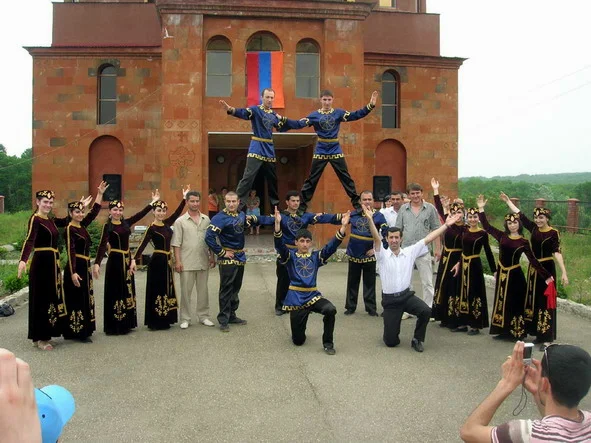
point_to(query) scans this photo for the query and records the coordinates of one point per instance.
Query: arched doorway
(391, 161)
(106, 162)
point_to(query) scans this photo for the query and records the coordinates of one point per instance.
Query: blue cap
(55, 406)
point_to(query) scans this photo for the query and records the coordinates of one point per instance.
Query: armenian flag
(264, 70)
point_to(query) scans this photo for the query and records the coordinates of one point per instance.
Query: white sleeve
(418, 249)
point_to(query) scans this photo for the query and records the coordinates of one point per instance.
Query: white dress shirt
(390, 215)
(396, 270)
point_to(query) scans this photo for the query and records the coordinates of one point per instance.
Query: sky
(524, 95)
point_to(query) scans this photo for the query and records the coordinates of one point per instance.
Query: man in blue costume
(303, 296)
(261, 152)
(327, 122)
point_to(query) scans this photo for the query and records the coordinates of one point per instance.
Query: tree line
(15, 180)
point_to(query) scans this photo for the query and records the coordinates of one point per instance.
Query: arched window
(307, 69)
(107, 95)
(263, 41)
(264, 68)
(219, 68)
(390, 100)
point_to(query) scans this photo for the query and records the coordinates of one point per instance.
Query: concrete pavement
(252, 384)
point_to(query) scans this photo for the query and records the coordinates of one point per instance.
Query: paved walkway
(252, 384)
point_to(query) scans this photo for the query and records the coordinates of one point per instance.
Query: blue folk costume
(290, 225)
(303, 296)
(328, 150)
(226, 233)
(360, 243)
(261, 152)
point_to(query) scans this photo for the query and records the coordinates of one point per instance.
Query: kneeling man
(302, 266)
(396, 266)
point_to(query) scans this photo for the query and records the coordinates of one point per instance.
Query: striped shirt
(551, 428)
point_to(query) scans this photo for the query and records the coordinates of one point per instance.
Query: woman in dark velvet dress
(47, 310)
(508, 316)
(120, 312)
(472, 304)
(447, 283)
(545, 243)
(161, 300)
(78, 292)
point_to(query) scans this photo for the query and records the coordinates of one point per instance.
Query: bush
(12, 283)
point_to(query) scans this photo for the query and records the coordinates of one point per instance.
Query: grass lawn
(575, 249)
(13, 227)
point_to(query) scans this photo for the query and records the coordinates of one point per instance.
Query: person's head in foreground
(558, 382)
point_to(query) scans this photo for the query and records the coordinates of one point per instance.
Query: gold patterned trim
(452, 250)
(304, 306)
(327, 157)
(328, 140)
(259, 139)
(503, 268)
(85, 257)
(160, 251)
(262, 158)
(470, 257)
(361, 260)
(224, 262)
(545, 259)
(302, 289)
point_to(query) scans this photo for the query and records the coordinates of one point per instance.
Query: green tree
(15, 180)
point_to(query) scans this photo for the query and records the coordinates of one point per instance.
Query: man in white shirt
(396, 267)
(391, 212)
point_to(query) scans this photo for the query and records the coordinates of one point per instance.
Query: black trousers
(230, 284)
(250, 172)
(394, 307)
(282, 285)
(299, 320)
(369, 285)
(339, 165)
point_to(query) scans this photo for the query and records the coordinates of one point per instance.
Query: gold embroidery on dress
(119, 309)
(544, 321)
(476, 307)
(517, 326)
(52, 314)
(76, 319)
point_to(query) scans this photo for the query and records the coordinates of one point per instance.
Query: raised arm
(526, 222)
(138, 216)
(242, 113)
(363, 112)
(441, 229)
(377, 239)
(496, 233)
(280, 247)
(331, 247)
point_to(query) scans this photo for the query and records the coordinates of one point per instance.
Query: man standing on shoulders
(416, 219)
(396, 274)
(225, 237)
(327, 123)
(558, 383)
(192, 259)
(360, 253)
(261, 152)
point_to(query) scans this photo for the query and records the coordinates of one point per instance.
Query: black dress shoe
(349, 312)
(460, 329)
(279, 312)
(373, 314)
(237, 321)
(329, 349)
(417, 345)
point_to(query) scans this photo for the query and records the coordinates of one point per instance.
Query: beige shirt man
(192, 260)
